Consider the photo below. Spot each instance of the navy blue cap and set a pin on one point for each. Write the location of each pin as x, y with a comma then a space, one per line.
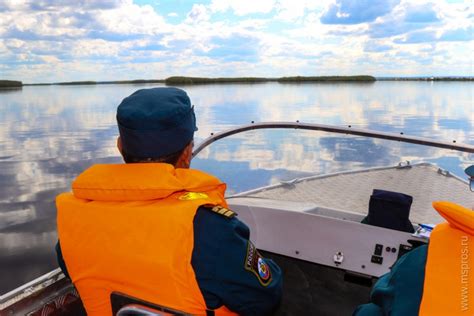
155, 122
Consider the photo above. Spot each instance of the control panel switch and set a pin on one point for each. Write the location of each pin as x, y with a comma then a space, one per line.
378, 250
377, 259
338, 258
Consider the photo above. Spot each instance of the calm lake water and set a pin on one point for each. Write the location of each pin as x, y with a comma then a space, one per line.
49, 134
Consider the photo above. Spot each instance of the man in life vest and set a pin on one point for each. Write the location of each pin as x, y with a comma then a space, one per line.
156, 230
431, 280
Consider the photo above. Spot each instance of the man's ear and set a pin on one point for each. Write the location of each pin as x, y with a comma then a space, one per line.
119, 145
184, 161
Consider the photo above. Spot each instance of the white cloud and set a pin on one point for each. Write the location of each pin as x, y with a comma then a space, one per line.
198, 13
242, 7
295, 9
287, 38
284, 9
132, 19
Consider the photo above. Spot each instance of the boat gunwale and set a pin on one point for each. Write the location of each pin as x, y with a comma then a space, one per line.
339, 173
42, 282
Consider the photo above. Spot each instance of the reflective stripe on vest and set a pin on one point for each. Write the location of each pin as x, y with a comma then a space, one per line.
126, 229
449, 274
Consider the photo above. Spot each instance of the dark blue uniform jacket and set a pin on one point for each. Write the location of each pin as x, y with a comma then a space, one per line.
220, 255
399, 292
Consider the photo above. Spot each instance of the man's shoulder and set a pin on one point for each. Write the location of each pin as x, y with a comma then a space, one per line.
215, 234
220, 222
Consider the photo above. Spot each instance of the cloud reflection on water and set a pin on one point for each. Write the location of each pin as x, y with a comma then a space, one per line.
50, 134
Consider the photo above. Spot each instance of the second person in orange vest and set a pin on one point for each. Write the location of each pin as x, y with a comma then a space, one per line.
157, 230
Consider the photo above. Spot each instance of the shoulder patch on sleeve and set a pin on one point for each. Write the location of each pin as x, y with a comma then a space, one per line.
221, 210
255, 263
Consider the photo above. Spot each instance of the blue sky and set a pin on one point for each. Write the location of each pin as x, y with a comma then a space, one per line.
66, 40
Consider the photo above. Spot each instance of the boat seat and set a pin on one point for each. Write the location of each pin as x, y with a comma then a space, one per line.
390, 210
125, 305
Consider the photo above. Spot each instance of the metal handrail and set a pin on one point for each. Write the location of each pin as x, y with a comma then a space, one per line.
335, 129
33, 286
140, 310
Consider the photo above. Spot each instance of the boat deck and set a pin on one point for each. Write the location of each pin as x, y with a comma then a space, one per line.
351, 191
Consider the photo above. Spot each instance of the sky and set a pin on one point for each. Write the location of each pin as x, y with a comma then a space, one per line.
72, 40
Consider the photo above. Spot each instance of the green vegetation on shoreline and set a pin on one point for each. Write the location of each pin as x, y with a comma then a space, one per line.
70, 83
426, 79
10, 84
182, 80
179, 80
73, 83
328, 79
200, 80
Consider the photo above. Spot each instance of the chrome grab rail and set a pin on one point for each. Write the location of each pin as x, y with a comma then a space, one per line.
335, 129
140, 310
29, 288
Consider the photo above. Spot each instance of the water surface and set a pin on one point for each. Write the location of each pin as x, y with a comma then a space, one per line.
49, 134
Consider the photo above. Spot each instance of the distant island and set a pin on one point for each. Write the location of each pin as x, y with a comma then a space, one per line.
179, 80
89, 82
10, 84
183, 80
425, 79
328, 79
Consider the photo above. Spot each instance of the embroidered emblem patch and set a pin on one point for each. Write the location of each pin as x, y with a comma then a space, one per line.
263, 269
193, 196
255, 263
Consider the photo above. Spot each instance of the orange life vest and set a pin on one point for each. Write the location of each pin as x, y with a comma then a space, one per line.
129, 228
448, 288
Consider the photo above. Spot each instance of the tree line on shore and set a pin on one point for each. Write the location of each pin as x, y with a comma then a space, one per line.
179, 80
182, 80
10, 84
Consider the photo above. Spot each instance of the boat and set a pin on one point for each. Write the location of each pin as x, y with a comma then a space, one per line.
311, 226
